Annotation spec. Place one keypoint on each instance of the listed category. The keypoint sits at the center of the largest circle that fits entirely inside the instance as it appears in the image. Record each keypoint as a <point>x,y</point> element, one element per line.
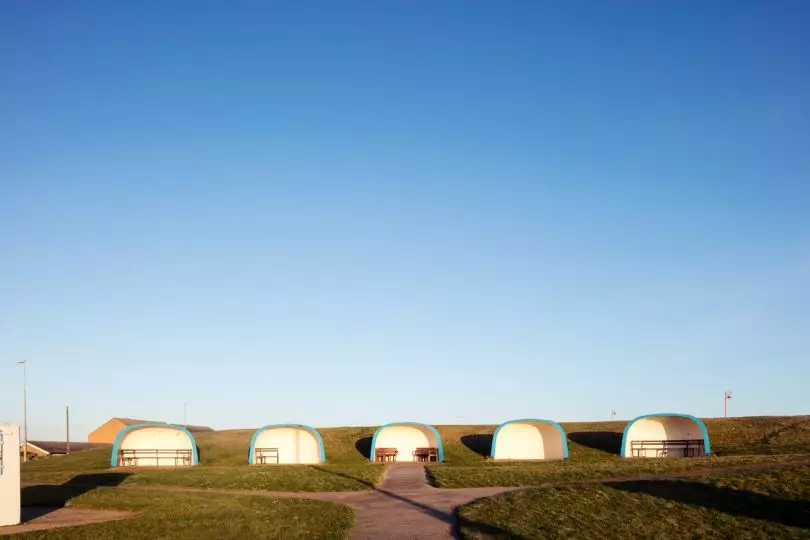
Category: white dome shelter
<point>529,439</point>
<point>665,435</point>
<point>286,444</point>
<point>9,474</point>
<point>154,445</point>
<point>406,442</point>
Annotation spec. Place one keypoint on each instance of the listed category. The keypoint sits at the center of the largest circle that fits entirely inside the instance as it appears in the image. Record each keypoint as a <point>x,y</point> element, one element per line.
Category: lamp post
<point>727,395</point>
<point>25,408</point>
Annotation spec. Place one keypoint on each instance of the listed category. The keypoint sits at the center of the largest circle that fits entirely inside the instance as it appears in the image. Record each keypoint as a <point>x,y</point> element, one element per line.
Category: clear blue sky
<point>349,213</point>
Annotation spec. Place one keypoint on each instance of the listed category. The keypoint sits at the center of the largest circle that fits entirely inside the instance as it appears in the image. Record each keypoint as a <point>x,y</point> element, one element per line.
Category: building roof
<point>132,422</point>
<point>60,447</point>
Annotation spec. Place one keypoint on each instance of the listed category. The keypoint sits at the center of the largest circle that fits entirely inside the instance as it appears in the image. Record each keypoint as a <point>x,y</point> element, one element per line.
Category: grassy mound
<point>594,449</point>
<point>769,504</point>
<point>201,516</point>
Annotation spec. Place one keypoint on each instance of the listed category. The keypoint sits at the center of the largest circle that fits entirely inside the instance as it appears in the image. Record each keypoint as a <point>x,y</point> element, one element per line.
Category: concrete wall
<point>156,438</point>
<point>528,440</point>
<point>406,439</point>
<point>659,428</point>
<point>295,444</point>
<point>10,475</point>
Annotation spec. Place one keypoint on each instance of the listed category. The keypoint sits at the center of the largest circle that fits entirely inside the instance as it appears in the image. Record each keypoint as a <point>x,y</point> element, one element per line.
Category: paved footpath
<point>405,506</point>
<point>40,519</point>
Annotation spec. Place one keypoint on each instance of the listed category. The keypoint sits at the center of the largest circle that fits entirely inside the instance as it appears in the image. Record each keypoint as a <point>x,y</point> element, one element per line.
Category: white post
<point>67,429</point>
<point>25,409</point>
<point>9,474</point>
<point>727,395</point>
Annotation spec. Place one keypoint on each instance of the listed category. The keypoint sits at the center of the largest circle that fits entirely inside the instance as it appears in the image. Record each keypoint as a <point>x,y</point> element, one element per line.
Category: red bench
<point>426,454</point>
<point>386,454</point>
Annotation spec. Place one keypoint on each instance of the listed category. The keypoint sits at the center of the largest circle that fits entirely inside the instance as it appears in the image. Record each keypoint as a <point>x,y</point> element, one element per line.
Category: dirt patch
<point>42,518</point>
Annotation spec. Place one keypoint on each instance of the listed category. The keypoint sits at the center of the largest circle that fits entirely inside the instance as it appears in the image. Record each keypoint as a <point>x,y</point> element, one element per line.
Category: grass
<point>593,450</point>
<point>527,474</point>
<point>772,504</point>
<point>281,478</point>
<point>192,515</point>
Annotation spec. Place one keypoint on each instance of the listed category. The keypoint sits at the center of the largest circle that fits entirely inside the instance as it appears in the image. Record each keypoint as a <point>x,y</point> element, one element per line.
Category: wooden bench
<point>662,448</point>
<point>426,454</point>
<point>131,457</point>
<point>262,455</point>
<point>386,454</point>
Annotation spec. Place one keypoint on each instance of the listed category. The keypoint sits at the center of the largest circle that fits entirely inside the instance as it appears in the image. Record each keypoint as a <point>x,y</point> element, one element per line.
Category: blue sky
<point>451,212</point>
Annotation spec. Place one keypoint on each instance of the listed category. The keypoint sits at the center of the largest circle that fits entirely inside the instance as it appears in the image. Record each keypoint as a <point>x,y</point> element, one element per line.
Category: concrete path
<point>40,518</point>
<point>405,506</point>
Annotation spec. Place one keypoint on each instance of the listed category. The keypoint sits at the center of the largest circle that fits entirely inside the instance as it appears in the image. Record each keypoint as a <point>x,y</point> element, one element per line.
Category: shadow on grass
<point>364,447</point>
<point>606,441</point>
<point>344,475</point>
<point>466,527</point>
<point>726,500</point>
<point>57,496</point>
<point>481,444</point>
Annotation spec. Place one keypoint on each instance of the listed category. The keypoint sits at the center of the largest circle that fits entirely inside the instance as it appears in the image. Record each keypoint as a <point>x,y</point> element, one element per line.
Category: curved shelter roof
<point>664,426</point>
<point>389,434</point>
<point>310,431</point>
<point>120,439</point>
<point>529,438</point>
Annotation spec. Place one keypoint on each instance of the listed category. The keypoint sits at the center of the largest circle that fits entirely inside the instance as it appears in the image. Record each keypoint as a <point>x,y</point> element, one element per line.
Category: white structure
<point>529,438</point>
<point>9,474</point>
<point>154,445</point>
<point>286,444</point>
<point>665,435</point>
<point>407,437</point>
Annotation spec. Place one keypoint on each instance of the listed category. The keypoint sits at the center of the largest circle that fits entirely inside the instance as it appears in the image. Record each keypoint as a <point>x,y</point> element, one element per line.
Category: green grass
<point>280,478</point>
<point>514,474</point>
<point>772,504</point>
<point>593,448</point>
<point>200,516</point>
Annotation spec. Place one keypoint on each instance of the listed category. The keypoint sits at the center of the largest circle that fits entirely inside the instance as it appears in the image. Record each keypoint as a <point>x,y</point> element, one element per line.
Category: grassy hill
<point>471,444</point>
<point>593,448</point>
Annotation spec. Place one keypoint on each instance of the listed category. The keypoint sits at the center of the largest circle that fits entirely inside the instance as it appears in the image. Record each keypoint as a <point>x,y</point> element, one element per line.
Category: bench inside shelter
<point>263,456</point>
<point>132,457</point>
<point>386,454</point>
<point>426,454</point>
<point>664,448</point>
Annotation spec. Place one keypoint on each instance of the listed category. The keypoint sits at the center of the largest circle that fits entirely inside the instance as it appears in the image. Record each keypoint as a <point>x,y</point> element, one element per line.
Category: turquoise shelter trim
<point>252,453</point>
<point>698,421</point>
<point>431,428</point>
<point>542,420</point>
<point>195,458</point>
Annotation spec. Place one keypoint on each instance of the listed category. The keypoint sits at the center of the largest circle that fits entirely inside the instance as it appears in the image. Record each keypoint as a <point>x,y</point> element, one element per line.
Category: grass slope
<point>593,449</point>
<point>773,504</point>
<point>200,516</point>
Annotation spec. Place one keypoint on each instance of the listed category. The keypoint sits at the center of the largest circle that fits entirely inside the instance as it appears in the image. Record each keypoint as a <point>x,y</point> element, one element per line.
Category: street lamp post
<point>727,395</point>
<point>25,408</point>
